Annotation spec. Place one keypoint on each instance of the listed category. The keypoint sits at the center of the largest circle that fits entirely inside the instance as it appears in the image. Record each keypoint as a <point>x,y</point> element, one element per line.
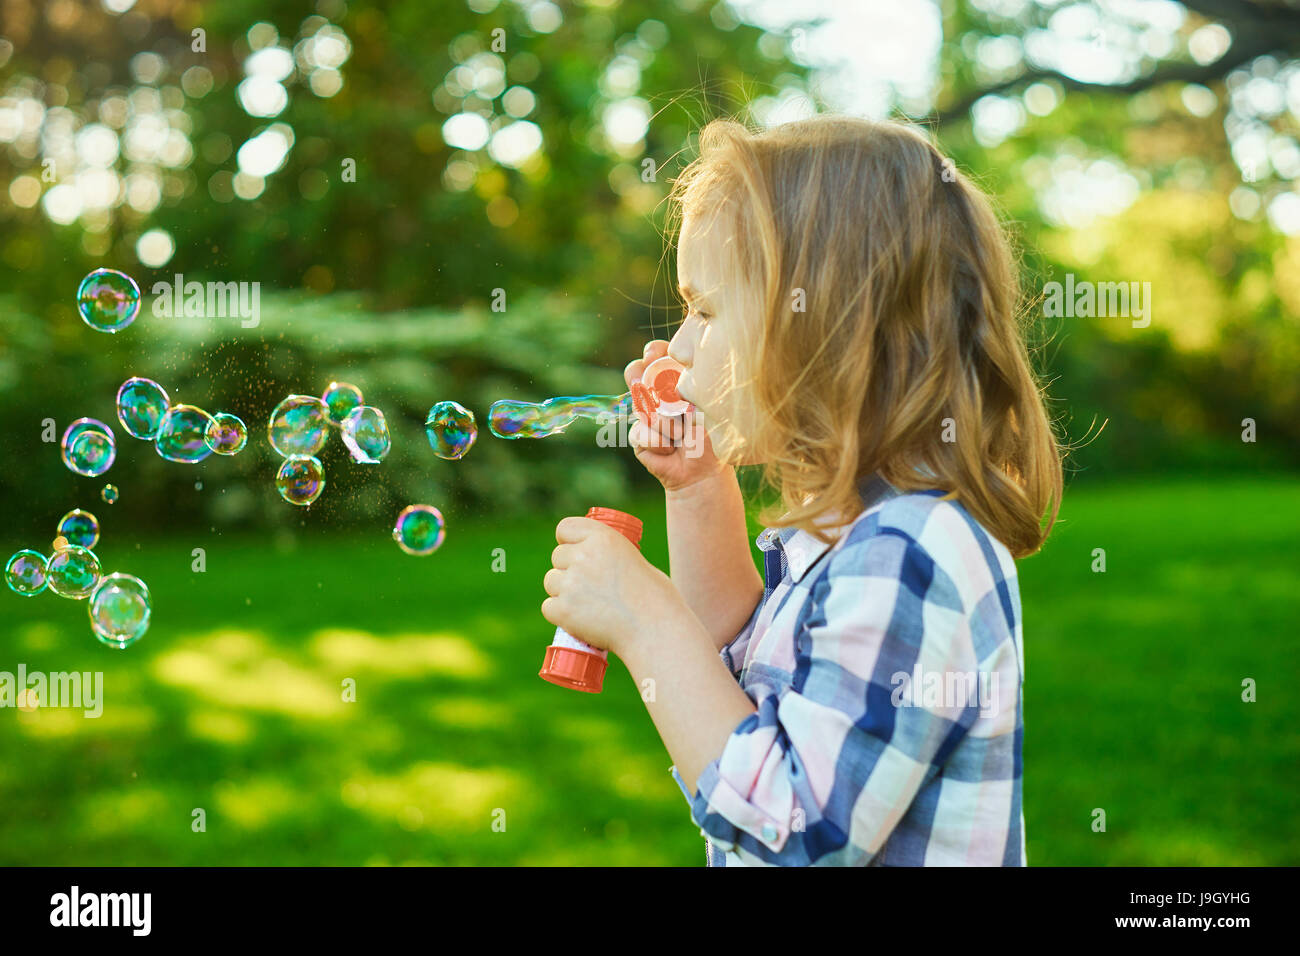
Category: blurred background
<point>382,170</point>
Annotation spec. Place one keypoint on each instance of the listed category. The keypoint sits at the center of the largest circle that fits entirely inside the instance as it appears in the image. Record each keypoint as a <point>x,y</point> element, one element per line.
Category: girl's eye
<point>687,310</point>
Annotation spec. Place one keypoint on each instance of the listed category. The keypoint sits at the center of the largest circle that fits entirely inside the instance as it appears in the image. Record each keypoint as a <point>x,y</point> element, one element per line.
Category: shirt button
<point>769,833</point>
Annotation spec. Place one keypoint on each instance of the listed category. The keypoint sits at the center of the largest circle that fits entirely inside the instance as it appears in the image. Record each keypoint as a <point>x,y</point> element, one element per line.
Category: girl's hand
<point>677,451</point>
<point>601,588</point>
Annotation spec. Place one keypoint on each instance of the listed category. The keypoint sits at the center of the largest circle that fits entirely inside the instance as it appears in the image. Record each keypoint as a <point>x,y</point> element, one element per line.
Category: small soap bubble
<point>73,572</point>
<point>109,494</point>
<point>119,609</point>
<point>227,434</point>
<point>88,447</point>
<point>365,432</point>
<point>419,529</point>
<point>182,434</point>
<point>79,528</point>
<point>340,398</point>
<point>198,485</point>
<point>108,300</point>
<point>300,480</point>
<point>298,426</point>
<point>26,573</point>
<point>141,404</point>
<point>451,430</point>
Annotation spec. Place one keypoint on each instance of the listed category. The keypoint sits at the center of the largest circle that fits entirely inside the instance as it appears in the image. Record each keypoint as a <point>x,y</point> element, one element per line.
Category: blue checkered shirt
<point>886,673</point>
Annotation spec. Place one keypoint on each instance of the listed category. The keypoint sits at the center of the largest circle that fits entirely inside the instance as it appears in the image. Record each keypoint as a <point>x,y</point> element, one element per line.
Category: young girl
<point>850,326</point>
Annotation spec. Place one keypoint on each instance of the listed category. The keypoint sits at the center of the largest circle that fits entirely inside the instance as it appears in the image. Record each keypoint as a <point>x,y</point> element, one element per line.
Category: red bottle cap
<point>629,526</point>
<point>574,669</point>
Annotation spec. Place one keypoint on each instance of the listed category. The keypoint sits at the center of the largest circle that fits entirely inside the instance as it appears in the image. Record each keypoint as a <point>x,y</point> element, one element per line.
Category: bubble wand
<point>570,661</point>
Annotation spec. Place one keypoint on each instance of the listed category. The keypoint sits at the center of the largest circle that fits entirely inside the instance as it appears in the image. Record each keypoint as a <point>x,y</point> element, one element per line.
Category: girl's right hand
<point>675,450</point>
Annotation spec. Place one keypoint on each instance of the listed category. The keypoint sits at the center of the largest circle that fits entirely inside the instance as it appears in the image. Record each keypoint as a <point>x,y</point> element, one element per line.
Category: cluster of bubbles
<point>181,433</point>
<point>119,604</point>
<point>512,419</point>
<point>300,425</point>
<point>108,300</point>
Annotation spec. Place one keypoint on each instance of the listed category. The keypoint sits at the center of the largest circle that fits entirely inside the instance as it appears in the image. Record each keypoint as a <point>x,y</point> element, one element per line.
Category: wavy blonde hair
<point>909,292</point>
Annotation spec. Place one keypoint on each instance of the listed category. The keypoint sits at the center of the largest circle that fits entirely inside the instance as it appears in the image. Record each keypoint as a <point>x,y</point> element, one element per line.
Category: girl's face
<point>721,310</point>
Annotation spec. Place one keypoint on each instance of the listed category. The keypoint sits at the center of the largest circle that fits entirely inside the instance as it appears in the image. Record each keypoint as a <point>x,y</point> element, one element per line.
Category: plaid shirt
<point>886,673</point>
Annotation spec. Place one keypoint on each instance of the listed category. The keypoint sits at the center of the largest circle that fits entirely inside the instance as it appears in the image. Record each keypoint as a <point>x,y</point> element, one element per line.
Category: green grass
<point>232,702</point>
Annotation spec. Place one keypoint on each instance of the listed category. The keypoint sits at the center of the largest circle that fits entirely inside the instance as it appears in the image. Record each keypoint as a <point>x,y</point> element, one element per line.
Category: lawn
<point>455,752</point>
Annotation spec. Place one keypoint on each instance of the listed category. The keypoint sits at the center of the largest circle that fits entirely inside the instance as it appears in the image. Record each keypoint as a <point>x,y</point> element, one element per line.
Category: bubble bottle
<point>569,661</point>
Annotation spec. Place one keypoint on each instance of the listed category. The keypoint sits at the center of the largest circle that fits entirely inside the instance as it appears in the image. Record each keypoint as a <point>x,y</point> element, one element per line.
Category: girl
<point>850,327</point>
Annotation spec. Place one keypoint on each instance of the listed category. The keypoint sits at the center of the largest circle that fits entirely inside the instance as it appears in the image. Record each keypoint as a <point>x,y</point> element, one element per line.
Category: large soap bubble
<point>182,435</point>
<point>88,447</point>
<point>141,404</point>
<point>80,528</point>
<point>340,398</point>
<point>451,430</point>
<point>300,480</point>
<point>26,573</point>
<point>298,426</point>
<point>227,434</point>
<point>119,609</point>
<point>419,529</point>
<point>365,432</point>
<point>73,572</point>
<point>108,300</point>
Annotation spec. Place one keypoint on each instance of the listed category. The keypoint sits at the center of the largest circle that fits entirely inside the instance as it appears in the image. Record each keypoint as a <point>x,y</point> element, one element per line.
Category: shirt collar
<point>803,549</point>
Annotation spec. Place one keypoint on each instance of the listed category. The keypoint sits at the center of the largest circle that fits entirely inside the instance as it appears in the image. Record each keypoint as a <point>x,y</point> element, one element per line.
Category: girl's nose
<point>680,346</point>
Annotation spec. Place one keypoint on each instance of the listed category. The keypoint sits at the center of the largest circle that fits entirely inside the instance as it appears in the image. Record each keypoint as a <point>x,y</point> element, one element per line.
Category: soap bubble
<point>26,573</point>
<point>451,429</point>
<point>119,610</point>
<point>365,432</point>
<point>298,426</point>
<point>88,447</point>
<point>141,404</point>
<point>419,529</point>
<point>108,300</point>
<point>227,434</point>
<point>109,494</point>
<point>300,480</point>
<point>73,572</point>
<point>340,398</point>
<point>182,434</point>
<point>511,419</point>
<point>79,528</point>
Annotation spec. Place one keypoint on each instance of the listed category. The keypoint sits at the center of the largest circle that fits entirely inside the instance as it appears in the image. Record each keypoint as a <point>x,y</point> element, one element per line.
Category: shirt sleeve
<point>826,767</point>
<point>733,652</point>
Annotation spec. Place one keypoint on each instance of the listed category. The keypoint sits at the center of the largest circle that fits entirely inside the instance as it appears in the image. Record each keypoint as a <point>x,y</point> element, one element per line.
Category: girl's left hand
<point>601,588</point>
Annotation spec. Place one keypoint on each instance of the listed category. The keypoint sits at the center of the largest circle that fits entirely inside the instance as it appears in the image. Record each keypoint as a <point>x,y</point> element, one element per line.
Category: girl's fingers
<point>642,438</point>
<point>632,371</point>
<point>552,581</point>
<point>562,556</point>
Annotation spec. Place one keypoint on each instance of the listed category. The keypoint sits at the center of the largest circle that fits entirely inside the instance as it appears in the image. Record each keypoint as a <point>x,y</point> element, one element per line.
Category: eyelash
<point>687,310</point>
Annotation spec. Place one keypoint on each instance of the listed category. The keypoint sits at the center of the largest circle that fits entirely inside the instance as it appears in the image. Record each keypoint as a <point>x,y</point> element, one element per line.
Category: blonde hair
<point>909,292</point>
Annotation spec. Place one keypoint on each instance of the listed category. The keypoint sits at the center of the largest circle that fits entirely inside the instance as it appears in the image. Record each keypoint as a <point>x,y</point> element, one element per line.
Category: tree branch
<point>1248,45</point>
